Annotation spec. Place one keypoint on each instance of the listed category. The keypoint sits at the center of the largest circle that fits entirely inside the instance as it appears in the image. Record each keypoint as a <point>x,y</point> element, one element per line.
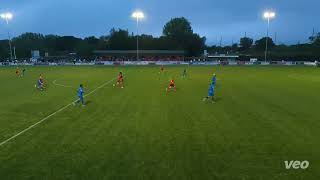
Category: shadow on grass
<point>88,102</point>
<point>218,99</point>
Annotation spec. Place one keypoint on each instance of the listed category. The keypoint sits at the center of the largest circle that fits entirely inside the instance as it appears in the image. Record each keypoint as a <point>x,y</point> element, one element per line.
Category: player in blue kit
<point>211,89</point>
<point>80,96</point>
<point>40,83</point>
<point>214,79</point>
<point>210,93</point>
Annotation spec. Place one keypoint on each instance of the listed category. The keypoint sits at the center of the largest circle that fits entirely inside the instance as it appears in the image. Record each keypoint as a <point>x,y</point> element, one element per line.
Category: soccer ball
<point>114,85</point>
<point>35,85</point>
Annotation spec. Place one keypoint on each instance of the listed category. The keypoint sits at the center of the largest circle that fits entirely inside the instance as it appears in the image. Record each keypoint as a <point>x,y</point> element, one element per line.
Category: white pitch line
<point>44,119</point>
<point>55,83</point>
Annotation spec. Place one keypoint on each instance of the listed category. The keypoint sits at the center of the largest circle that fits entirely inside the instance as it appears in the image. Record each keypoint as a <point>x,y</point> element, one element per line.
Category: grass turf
<point>263,116</point>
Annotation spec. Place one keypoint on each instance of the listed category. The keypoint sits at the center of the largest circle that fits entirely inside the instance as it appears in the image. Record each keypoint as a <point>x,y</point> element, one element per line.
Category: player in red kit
<point>17,72</point>
<point>120,80</point>
<point>171,85</point>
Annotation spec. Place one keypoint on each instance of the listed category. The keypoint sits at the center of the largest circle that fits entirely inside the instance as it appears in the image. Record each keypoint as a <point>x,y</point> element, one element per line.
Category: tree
<point>195,45</point>
<point>67,43</point>
<point>178,34</point>
<point>4,50</point>
<point>148,42</point>
<point>51,43</point>
<point>177,31</point>
<point>315,40</point>
<point>92,40</point>
<point>27,42</point>
<point>245,43</point>
<point>121,40</point>
<point>261,43</point>
<point>177,28</point>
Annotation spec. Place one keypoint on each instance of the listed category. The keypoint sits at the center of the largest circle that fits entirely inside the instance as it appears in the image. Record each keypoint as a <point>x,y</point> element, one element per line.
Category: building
<point>222,57</point>
<point>143,54</point>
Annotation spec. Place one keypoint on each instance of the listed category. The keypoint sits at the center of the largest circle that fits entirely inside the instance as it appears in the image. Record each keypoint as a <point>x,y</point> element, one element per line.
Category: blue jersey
<point>211,90</point>
<point>80,92</point>
<point>214,79</point>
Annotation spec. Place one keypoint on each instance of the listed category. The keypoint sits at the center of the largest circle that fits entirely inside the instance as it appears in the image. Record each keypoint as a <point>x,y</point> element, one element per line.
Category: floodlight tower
<point>268,15</point>
<point>138,15</point>
<point>7,17</point>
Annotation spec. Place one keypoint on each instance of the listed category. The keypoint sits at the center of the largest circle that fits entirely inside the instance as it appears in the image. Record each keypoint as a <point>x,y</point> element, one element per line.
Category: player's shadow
<point>218,99</point>
<point>88,102</point>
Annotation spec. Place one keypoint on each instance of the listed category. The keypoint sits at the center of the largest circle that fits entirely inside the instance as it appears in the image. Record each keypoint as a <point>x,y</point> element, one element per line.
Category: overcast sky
<point>229,19</point>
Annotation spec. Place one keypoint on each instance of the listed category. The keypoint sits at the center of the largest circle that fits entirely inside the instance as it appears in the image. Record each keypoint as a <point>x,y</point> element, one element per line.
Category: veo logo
<point>296,164</point>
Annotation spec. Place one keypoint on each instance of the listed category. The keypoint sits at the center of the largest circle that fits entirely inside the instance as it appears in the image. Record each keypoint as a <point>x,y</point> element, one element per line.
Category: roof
<point>143,52</point>
<point>223,56</point>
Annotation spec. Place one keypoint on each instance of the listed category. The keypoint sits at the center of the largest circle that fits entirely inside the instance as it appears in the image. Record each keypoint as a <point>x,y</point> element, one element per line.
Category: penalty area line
<point>49,116</point>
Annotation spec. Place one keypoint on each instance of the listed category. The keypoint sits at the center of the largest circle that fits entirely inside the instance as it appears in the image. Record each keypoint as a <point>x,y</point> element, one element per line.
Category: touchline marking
<point>44,119</point>
<point>55,83</point>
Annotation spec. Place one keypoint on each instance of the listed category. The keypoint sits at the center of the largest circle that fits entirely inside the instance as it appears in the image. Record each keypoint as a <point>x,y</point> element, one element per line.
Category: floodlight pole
<point>10,46</point>
<point>138,15</point>
<point>7,18</point>
<point>266,50</point>
<point>137,38</point>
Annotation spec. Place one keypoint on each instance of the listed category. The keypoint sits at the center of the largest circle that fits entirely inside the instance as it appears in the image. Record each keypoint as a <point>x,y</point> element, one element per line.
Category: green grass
<point>263,116</point>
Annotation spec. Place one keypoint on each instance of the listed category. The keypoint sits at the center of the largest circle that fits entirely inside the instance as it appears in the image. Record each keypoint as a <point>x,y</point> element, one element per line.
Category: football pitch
<point>262,117</point>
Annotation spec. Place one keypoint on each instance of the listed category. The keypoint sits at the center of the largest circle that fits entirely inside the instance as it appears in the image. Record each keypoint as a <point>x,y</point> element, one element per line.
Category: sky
<point>228,20</point>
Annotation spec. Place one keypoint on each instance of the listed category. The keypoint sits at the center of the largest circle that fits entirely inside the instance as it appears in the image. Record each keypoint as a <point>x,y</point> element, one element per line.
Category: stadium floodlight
<point>7,17</point>
<point>268,15</point>
<point>138,15</point>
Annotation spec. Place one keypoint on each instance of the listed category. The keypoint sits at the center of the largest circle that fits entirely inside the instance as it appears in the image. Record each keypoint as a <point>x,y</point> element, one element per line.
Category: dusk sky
<point>229,19</point>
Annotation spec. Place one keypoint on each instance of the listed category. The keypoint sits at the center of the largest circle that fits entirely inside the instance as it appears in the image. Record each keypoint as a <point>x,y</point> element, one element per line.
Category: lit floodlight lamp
<point>138,15</point>
<point>269,15</point>
<point>6,16</point>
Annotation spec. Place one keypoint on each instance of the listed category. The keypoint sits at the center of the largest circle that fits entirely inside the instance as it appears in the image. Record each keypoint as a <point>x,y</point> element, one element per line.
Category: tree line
<point>177,34</point>
<point>248,48</point>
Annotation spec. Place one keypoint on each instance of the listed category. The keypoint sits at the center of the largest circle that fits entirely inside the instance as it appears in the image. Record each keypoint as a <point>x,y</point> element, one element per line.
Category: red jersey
<point>120,77</point>
<point>172,82</point>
